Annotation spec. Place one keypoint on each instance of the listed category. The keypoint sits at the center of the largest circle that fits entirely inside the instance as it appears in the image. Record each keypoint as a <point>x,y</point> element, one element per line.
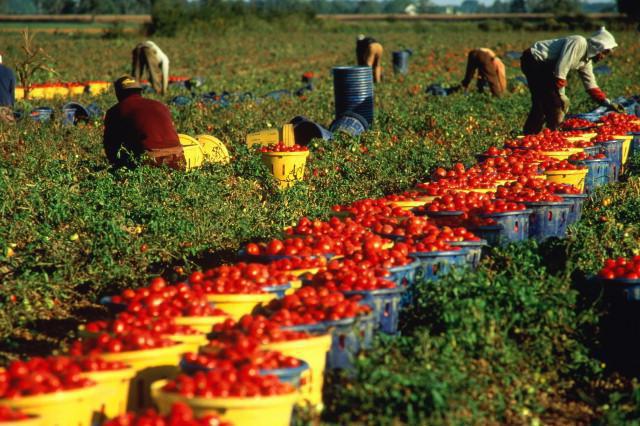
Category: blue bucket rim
<point>379,292</point>
<point>466,243</point>
<point>504,214</point>
<point>402,268</point>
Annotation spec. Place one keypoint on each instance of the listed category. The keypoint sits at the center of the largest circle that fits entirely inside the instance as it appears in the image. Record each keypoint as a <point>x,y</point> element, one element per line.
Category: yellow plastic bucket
<point>299,272</point>
<point>626,145</point>
<point>505,181</point>
<point>272,137</point>
<point>65,408</point>
<point>480,190</point>
<point>263,138</point>
<point>313,351</point>
<point>571,177</point>
<point>192,342</point>
<point>76,89</point>
<point>19,93</point>
<point>213,149</point>
<point>150,365</point>
<point>193,153</point>
<point>31,421</point>
<point>562,155</point>
<point>407,204</point>
<point>263,410</point>
<point>98,87</point>
<point>37,93</point>
<point>113,390</point>
<point>286,167</point>
<point>202,324</point>
<point>237,305</point>
<point>288,136</point>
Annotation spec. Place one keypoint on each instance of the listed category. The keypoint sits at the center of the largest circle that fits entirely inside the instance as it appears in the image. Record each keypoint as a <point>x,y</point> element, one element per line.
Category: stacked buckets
<point>353,91</point>
<point>401,61</point>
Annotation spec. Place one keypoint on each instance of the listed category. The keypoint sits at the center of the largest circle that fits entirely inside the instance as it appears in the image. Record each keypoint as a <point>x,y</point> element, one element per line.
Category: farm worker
<point>7,93</point>
<point>148,55</point>
<point>369,53</point>
<point>490,69</point>
<point>546,65</point>
<point>140,126</point>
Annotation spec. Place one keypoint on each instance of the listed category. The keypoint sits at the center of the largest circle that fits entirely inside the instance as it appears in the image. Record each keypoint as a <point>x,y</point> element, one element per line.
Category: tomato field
<point>521,339</point>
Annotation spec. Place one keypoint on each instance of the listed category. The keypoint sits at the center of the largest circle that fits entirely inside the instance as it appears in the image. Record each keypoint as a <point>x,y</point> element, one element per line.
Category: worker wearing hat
<point>147,55</point>
<point>491,71</point>
<point>137,126</point>
<point>369,54</point>
<point>7,93</point>
<point>546,65</point>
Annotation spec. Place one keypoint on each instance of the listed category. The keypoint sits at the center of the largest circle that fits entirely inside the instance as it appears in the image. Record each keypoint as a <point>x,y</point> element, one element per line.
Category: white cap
<point>360,37</point>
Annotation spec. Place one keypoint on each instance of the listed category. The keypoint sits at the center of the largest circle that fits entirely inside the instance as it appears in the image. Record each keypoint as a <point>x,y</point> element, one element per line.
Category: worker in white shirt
<point>546,65</point>
<point>148,55</point>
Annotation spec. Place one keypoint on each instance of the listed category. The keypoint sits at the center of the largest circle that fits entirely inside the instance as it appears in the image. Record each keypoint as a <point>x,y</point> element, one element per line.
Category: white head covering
<point>0,58</point>
<point>600,41</point>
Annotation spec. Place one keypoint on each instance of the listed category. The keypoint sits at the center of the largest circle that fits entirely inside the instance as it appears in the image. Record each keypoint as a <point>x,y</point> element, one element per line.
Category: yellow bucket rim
<point>145,353</point>
<point>228,403</point>
<point>199,320</point>
<point>50,398</point>
<point>110,375</point>
<point>240,298</point>
<point>566,172</point>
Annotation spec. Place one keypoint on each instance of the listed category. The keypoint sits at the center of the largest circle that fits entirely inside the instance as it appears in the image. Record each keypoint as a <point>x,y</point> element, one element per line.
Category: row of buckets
<point>69,114</point>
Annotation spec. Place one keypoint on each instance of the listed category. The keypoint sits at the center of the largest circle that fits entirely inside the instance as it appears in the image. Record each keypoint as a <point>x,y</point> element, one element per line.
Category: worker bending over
<point>547,64</point>
<point>369,54</point>
<point>148,56</point>
<point>490,69</point>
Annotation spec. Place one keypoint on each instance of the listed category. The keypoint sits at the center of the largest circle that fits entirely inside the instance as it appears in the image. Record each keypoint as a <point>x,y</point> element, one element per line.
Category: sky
<point>490,2</point>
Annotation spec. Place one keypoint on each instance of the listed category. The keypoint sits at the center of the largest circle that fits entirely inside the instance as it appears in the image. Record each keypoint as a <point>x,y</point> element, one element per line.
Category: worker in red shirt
<point>137,126</point>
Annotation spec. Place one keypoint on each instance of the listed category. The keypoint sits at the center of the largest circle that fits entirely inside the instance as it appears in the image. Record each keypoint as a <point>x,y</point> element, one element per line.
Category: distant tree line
<point>632,7</point>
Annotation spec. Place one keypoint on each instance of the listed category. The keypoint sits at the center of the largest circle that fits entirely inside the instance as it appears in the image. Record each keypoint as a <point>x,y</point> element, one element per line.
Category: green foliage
<point>487,345</point>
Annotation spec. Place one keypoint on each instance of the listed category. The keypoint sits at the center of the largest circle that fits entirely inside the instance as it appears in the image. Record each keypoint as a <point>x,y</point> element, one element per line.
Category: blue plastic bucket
<point>278,290</point>
<point>602,70</point>
<point>305,130</point>
<point>593,117</point>
<point>598,175</point>
<point>95,112</point>
<point>635,143</point>
<point>68,116</point>
<point>386,306</point>
<point>353,91</point>
<point>613,150</point>
<point>400,61</point>
<point>515,226</point>
<point>548,219</point>
<point>404,275</point>
<point>593,150</point>
<point>513,55</point>
<point>474,250</point>
<point>575,212</point>
<point>79,112</point>
<point>620,322</point>
<point>276,95</point>
<point>348,337</point>
<point>180,100</point>
<point>435,264</point>
<point>492,234</point>
<point>349,123</point>
<point>41,114</point>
